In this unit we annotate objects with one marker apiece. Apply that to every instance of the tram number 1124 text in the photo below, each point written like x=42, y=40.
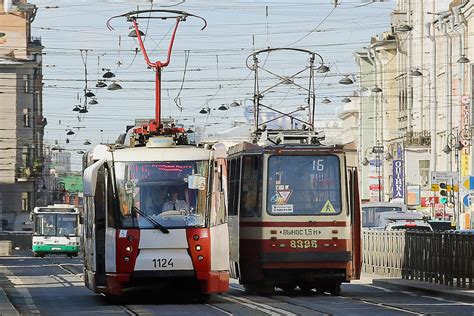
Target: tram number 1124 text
x=163, y=263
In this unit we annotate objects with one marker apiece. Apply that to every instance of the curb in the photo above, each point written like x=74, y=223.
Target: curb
x=430, y=288
x=6, y=307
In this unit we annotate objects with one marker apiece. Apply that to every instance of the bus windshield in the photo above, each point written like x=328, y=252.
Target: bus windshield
x=172, y=194
x=48, y=224
x=304, y=185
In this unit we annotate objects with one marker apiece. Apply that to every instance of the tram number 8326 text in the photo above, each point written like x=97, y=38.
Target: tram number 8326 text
x=303, y=244
x=163, y=263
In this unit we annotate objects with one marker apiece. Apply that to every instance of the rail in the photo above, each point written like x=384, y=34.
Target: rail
x=435, y=257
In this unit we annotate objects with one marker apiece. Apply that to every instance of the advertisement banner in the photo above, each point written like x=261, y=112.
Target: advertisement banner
x=398, y=185
x=413, y=195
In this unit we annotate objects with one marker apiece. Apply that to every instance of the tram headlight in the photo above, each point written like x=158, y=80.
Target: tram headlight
x=126, y=259
x=198, y=247
x=200, y=258
x=196, y=237
x=128, y=249
x=130, y=237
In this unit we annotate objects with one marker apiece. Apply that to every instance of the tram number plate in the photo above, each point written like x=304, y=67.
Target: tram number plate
x=163, y=263
x=303, y=244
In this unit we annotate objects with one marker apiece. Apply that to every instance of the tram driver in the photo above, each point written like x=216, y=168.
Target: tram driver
x=174, y=203
x=151, y=203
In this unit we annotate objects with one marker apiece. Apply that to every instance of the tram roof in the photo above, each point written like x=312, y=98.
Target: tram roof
x=178, y=153
x=246, y=147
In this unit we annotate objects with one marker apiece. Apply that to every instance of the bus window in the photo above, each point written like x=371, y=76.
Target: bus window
x=67, y=224
x=45, y=225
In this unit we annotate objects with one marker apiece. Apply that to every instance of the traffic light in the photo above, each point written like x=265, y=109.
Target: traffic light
x=443, y=193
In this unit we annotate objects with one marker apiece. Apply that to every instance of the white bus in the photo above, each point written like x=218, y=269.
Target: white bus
x=55, y=230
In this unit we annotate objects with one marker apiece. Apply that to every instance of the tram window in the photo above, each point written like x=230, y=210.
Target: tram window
x=218, y=213
x=145, y=187
x=99, y=199
x=234, y=185
x=304, y=185
x=110, y=203
x=249, y=197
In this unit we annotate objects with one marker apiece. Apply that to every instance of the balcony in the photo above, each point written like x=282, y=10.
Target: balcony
x=29, y=173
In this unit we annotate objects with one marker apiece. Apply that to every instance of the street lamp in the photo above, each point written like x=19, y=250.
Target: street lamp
x=463, y=60
x=326, y=100
x=346, y=80
x=376, y=89
x=322, y=69
x=416, y=73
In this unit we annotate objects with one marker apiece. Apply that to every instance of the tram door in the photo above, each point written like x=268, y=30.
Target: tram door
x=99, y=224
x=93, y=245
x=354, y=204
x=234, y=173
x=219, y=228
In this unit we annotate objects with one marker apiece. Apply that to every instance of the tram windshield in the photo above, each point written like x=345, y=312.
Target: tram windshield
x=304, y=185
x=55, y=224
x=166, y=194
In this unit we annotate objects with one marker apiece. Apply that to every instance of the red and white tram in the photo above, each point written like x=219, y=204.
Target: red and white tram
x=155, y=208
x=133, y=237
x=294, y=214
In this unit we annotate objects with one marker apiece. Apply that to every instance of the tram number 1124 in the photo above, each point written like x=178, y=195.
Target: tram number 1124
x=163, y=263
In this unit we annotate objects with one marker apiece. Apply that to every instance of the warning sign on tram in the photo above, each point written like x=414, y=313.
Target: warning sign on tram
x=328, y=208
x=285, y=195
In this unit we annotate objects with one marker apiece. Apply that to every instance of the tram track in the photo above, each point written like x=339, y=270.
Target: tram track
x=287, y=300
x=251, y=303
x=388, y=306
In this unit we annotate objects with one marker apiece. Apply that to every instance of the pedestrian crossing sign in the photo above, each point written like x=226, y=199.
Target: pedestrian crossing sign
x=328, y=208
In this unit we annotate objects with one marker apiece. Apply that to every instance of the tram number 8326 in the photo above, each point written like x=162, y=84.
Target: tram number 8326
x=303, y=244
x=163, y=263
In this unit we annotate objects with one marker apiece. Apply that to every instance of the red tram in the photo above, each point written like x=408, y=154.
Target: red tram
x=294, y=214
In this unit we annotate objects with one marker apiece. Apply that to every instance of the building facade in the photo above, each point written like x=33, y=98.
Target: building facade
x=423, y=109
x=21, y=120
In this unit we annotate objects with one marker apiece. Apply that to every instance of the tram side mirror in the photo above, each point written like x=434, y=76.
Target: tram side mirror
x=81, y=219
x=196, y=181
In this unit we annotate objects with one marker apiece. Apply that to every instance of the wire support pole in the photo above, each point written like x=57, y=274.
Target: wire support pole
x=157, y=66
x=311, y=100
x=256, y=94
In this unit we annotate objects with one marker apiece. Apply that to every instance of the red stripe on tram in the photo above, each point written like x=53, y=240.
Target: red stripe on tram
x=294, y=224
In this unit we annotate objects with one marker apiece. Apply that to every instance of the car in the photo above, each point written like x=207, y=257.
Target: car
x=409, y=225
x=439, y=225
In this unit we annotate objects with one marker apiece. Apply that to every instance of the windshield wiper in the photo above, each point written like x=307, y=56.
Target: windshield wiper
x=155, y=224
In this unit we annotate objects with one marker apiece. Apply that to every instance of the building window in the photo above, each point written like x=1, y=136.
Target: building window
x=26, y=118
x=424, y=169
x=25, y=201
x=26, y=82
x=26, y=156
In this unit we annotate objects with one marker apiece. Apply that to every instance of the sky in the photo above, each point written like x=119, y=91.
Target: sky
x=212, y=61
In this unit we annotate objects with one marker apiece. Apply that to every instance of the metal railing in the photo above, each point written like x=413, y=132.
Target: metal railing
x=435, y=257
